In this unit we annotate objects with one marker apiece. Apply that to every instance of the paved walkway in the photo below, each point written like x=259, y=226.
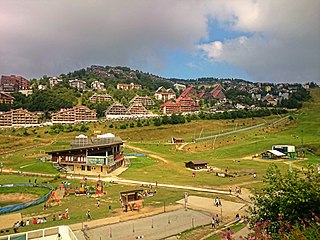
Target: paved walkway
x=154, y=227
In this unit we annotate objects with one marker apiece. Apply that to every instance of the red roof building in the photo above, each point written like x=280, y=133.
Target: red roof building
x=14, y=83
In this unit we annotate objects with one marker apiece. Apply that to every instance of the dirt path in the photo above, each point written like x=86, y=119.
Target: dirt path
x=151, y=154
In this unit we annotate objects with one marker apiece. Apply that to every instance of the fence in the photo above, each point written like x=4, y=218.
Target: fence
x=17, y=207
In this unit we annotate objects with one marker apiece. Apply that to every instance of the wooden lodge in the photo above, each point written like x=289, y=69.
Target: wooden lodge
x=197, y=164
x=94, y=156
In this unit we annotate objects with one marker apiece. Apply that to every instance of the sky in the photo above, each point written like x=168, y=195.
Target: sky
x=257, y=40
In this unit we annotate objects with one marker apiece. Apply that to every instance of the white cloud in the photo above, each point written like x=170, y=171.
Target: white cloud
x=284, y=44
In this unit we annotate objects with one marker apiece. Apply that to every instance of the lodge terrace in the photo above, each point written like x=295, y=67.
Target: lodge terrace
x=92, y=156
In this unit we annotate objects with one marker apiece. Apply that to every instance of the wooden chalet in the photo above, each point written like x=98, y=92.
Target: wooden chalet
x=196, y=164
x=94, y=156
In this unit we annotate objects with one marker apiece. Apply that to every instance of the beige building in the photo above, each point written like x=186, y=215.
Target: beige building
x=18, y=118
x=97, y=98
x=76, y=114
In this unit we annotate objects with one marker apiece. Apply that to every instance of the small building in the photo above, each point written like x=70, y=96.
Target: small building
x=132, y=200
x=273, y=154
x=286, y=149
x=13, y=83
x=196, y=164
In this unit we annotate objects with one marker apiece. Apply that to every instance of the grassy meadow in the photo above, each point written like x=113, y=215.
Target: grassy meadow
x=21, y=149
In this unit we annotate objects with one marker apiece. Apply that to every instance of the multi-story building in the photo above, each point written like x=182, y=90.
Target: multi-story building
x=137, y=109
x=117, y=109
x=97, y=98
x=189, y=92
x=76, y=114
x=18, y=118
x=182, y=105
x=146, y=101
x=6, y=99
x=13, y=83
x=54, y=81
x=180, y=87
x=163, y=94
x=124, y=86
x=96, y=85
x=78, y=84
x=96, y=156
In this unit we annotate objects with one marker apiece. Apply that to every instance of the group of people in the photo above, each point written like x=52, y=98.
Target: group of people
x=237, y=190
x=215, y=221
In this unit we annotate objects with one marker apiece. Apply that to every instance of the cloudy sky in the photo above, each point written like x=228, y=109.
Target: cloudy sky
x=257, y=40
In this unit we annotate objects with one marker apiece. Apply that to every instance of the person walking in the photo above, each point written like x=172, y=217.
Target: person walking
x=217, y=202
x=59, y=237
x=213, y=222
x=98, y=203
x=88, y=215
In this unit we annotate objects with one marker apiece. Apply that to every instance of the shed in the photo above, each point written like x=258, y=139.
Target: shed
x=131, y=199
x=286, y=149
x=197, y=164
x=273, y=154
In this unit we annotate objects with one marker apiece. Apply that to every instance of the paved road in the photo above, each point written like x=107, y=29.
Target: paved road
x=155, y=227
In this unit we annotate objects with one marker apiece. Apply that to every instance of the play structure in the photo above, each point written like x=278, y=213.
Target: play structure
x=132, y=200
x=56, y=195
x=86, y=189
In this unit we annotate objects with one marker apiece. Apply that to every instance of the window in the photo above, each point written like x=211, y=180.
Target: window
x=83, y=167
x=88, y=168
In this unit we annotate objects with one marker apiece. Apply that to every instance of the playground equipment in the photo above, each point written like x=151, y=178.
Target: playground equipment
x=56, y=195
x=132, y=200
x=99, y=187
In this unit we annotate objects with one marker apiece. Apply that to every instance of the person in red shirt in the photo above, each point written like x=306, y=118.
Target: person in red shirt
x=64, y=217
x=34, y=221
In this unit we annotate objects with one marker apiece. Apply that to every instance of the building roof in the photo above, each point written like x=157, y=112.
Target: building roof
x=198, y=162
x=276, y=153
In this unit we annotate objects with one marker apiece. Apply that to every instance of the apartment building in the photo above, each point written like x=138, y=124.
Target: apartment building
x=96, y=85
x=54, y=81
x=98, y=98
x=78, y=84
x=77, y=114
x=164, y=94
x=13, y=83
x=117, y=109
x=18, y=118
x=124, y=86
x=146, y=101
x=6, y=99
x=137, y=109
